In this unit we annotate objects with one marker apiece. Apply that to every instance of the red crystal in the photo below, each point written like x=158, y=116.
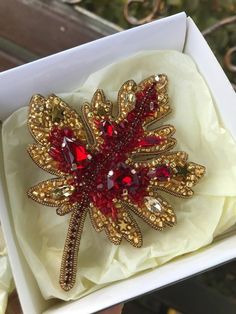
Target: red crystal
x=163, y=172
x=150, y=141
x=106, y=127
x=122, y=177
x=75, y=153
x=69, y=152
x=127, y=180
x=56, y=132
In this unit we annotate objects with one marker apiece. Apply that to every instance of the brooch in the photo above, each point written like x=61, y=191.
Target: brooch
x=109, y=162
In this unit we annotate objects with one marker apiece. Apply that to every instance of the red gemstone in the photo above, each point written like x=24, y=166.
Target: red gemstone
x=122, y=177
x=163, y=172
x=127, y=180
x=75, y=154
x=150, y=141
x=106, y=127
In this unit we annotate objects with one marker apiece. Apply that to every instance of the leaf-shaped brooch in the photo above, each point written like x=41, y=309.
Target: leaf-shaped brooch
x=109, y=165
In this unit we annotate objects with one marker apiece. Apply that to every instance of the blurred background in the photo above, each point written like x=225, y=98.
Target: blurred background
x=31, y=29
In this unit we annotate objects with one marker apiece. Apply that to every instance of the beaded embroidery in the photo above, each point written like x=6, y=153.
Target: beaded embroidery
x=109, y=164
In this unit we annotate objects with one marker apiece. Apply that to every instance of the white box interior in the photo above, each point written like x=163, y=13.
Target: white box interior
x=64, y=72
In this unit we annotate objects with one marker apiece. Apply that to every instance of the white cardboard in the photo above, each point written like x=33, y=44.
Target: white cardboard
x=64, y=72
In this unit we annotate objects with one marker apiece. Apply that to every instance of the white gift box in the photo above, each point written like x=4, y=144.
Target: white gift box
x=64, y=72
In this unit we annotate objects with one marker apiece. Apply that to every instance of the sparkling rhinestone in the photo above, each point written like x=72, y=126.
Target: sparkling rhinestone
x=130, y=97
x=107, y=128
x=121, y=177
x=75, y=153
x=110, y=173
x=61, y=191
x=152, y=204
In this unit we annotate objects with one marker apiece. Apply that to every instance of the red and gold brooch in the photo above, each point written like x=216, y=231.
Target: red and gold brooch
x=109, y=162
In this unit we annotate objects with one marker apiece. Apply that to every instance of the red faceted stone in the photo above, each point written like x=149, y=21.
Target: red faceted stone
x=163, y=172
x=122, y=177
x=75, y=153
x=150, y=141
x=108, y=128
x=127, y=180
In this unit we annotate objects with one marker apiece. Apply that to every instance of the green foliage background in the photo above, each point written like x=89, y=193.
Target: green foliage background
x=204, y=12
